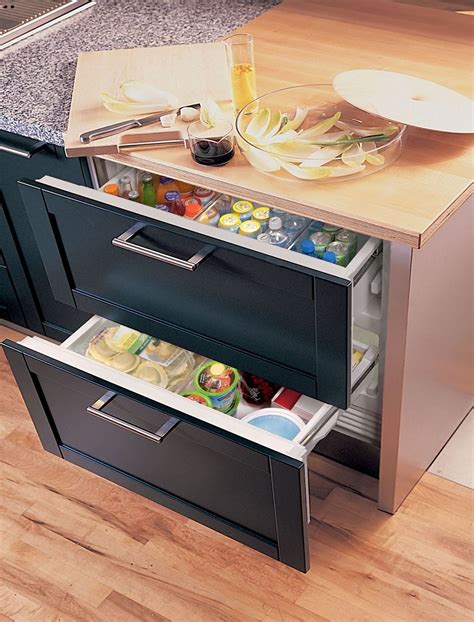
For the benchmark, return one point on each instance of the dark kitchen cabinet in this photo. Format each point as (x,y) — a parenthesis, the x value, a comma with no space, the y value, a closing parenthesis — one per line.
(25,292)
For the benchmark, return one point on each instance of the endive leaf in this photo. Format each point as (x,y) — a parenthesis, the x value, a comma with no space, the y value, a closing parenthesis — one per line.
(259,123)
(293,150)
(278,138)
(371,155)
(262,161)
(320,128)
(323,156)
(315,172)
(274,124)
(298,119)
(139,92)
(353,156)
(210,113)
(129,108)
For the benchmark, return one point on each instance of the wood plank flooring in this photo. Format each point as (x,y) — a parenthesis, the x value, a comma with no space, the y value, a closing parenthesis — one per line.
(75,547)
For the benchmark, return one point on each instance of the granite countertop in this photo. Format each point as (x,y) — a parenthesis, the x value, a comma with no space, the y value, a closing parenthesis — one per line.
(37,75)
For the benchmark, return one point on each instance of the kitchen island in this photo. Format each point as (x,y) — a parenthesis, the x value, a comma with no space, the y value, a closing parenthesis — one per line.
(418,207)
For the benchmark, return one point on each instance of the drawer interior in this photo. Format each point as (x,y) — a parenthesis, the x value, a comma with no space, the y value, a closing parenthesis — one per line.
(218,204)
(317,418)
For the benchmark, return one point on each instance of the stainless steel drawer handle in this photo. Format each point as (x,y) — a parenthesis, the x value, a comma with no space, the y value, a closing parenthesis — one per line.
(156,437)
(23,153)
(123,241)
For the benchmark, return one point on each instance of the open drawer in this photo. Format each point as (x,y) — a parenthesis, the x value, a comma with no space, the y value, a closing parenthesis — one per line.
(268,310)
(236,478)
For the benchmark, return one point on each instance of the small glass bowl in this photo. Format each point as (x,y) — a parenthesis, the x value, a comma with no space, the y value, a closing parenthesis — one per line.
(321,102)
(211,146)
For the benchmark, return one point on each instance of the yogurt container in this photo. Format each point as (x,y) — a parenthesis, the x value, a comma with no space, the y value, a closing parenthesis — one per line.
(219,383)
(277,421)
(243,209)
(200,398)
(231,222)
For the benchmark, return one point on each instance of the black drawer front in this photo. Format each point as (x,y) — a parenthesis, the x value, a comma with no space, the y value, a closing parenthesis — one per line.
(215,477)
(254,312)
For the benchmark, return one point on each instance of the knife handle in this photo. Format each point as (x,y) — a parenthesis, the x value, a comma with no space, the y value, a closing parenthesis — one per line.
(107,130)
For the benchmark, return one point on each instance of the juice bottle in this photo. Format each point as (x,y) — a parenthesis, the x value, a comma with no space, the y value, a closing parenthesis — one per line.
(148,190)
(166,184)
(186,190)
(173,202)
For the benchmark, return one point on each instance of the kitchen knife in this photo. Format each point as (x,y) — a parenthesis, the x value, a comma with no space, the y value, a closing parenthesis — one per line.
(117,128)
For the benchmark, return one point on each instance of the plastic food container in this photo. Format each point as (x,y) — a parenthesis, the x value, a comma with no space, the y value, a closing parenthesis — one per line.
(195,396)
(277,421)
(219,383)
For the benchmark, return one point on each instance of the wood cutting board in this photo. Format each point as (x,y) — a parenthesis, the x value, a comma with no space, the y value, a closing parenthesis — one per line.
(191,72)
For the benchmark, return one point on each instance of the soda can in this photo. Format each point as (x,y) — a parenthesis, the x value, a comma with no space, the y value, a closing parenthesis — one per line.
(349,238)
(341,252)
(320,240)
(331,230)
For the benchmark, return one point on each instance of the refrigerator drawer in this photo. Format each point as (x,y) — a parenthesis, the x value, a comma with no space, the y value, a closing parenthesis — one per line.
(236,478)
(268,310)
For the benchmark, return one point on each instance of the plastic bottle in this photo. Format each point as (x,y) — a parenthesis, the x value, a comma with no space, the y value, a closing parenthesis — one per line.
(329,256)
(166,185)
(307,247)
(277,236)
(293,224)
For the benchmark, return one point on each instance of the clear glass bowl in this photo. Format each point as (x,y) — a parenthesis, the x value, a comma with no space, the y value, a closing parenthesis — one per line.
(274,144)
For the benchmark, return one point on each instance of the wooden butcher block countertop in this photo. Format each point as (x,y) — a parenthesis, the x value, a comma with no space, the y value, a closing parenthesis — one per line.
(311,41)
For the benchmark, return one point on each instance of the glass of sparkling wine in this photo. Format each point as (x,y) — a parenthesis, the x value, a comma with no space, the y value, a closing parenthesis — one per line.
(239,50)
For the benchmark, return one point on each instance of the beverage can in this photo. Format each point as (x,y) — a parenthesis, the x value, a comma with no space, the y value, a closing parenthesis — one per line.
(341,252)
(331,230)
(250,228)
(217,382)
(231,222)
(349,238)
(320,240)
(243,209)
(262,215)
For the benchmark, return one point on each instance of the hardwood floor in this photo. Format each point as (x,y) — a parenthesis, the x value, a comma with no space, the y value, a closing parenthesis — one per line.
(75,547)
